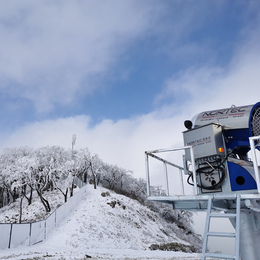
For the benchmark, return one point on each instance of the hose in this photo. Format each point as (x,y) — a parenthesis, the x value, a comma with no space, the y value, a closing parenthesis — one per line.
(208,169)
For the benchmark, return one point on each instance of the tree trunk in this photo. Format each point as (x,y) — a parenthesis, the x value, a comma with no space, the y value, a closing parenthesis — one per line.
(64,194)
(44,202)
(85,177)
(29,199)
(98,179)
(21,209)
(71,189)
(1,197)
(14,195)
(95,181)
(7,197)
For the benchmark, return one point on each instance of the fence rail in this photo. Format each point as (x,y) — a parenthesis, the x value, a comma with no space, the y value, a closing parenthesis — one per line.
(16,234)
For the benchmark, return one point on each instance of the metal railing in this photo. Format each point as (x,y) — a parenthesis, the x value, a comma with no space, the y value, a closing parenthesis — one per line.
(166,162)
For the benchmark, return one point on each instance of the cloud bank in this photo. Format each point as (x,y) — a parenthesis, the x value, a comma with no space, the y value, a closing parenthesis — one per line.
(54,51)
(59,50)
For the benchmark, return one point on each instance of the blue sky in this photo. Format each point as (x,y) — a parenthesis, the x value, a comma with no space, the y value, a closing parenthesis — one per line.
(122,75)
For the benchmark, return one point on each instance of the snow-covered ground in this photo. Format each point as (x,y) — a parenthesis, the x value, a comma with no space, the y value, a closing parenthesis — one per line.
(37,253)
(106,227)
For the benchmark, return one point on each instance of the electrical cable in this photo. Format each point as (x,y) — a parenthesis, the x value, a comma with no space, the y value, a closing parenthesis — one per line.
(210,168)
(220,167)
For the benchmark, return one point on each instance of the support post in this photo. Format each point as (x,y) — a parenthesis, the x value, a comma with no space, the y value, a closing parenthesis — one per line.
(166,180)
(249,235)
(147,175)
(237,246)
(10,237)
(181,180)
(252,145)
(193,170)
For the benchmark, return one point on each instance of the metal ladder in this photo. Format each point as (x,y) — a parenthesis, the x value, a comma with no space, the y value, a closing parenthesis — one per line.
(207,233)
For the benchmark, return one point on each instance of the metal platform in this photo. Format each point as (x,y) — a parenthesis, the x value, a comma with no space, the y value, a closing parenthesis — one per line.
(200,202)
(241,207)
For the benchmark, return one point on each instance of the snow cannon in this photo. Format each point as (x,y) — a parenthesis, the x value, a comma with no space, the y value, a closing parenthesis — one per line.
(220,140)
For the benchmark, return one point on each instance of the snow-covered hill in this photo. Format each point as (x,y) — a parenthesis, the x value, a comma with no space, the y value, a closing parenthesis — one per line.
(106,225)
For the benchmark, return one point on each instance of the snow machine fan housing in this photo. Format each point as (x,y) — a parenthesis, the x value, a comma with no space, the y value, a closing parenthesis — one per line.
(238,124)
(220,140)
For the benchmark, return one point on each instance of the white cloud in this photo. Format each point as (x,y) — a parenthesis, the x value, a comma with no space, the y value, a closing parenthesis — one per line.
(51,50)
(204,88)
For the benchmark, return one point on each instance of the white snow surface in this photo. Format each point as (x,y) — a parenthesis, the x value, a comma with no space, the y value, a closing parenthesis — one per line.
(95,229)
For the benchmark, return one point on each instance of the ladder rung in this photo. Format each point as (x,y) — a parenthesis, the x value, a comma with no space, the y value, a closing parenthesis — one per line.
(220,256)
(223,215)
(221,234)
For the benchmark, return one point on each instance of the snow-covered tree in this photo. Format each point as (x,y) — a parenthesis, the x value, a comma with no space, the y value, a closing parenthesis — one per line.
(25,171)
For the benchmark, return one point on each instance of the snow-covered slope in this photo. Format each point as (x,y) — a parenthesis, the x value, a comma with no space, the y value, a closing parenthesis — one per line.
(113,221)
(111,226)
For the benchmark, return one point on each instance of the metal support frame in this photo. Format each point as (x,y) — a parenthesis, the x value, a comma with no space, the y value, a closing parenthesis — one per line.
(193,169)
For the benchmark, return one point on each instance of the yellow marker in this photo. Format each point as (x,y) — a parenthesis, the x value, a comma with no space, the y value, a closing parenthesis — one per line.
(221,150)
